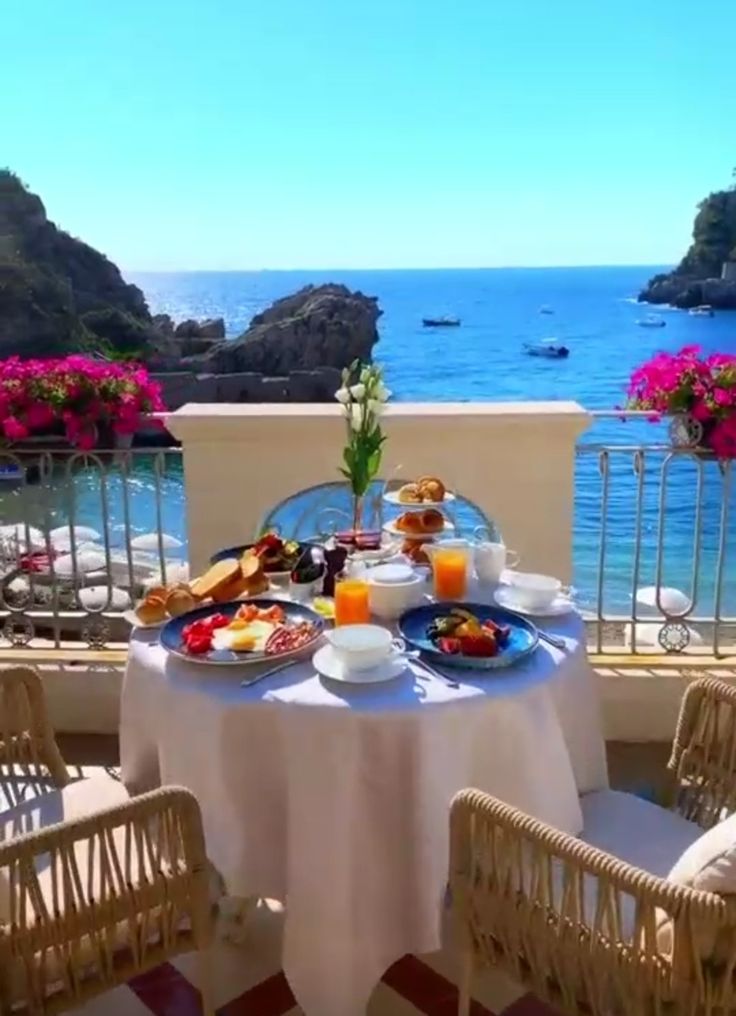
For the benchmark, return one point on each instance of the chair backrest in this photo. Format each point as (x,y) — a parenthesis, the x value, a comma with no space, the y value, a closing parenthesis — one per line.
(704,752)
(27,742)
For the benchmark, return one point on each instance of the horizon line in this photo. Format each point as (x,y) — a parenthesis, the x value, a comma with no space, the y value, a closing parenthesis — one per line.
(404,268)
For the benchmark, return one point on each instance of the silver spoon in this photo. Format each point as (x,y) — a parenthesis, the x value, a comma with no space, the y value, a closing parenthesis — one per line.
(553,640)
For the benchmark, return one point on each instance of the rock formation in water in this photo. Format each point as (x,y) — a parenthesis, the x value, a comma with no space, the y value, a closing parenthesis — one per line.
(59,295)
(697,279)
(319,326)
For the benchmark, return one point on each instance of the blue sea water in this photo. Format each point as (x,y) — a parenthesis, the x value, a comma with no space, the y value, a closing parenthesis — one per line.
(595,314)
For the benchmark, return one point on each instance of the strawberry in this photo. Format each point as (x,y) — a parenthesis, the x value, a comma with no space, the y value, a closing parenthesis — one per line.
(478,645)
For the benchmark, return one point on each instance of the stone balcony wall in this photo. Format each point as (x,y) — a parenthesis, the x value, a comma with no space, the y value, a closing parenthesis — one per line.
(182,387)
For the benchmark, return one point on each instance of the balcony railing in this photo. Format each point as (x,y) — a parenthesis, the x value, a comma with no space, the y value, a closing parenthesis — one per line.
(655,560)
(81,535)
(653,557)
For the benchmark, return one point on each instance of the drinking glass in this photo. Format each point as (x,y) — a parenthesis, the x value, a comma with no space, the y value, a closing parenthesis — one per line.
(351,602)
(450,566)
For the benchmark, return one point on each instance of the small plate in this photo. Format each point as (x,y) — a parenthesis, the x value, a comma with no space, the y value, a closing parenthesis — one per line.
(135,622)
(392,497)
(561,605)
(390,527)
(328,665)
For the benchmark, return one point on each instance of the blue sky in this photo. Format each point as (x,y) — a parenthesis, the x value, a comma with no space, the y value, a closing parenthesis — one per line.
(224,134)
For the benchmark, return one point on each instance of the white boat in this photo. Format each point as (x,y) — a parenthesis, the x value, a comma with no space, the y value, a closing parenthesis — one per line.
(549,348)
(705,310)
(651,321)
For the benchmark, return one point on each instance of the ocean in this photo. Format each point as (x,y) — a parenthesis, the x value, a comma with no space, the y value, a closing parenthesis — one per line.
(594,314)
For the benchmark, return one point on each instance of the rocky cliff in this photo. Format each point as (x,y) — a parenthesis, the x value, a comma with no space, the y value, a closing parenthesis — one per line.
(319,326)
(696,280)
(57,293)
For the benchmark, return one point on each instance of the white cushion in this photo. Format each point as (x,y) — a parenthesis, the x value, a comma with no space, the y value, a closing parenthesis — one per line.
(636,831)
(710,862)
(19,785)
(76,800)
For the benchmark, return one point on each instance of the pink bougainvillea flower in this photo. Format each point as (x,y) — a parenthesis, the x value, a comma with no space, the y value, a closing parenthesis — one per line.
(14,429)
(79,392)
(686,382)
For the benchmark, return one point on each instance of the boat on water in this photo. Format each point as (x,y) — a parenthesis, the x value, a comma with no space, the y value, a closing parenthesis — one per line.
(441,322)
(545,309)
(704,310)
(551,349)
(651,321)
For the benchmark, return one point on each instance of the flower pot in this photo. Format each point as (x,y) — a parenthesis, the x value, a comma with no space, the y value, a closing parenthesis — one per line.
(35,454)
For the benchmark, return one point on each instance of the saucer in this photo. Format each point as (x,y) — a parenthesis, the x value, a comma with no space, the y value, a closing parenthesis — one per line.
(504,597)
(327,664)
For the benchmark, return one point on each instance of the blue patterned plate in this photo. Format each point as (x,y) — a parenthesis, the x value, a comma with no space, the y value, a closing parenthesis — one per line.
(171,633)
(522,640)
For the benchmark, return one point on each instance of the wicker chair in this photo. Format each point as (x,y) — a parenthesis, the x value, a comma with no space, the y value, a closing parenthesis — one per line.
(95,887)
(30,760)
(579,921)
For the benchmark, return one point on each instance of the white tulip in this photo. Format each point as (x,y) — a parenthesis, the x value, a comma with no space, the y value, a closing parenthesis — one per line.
(356,419)
(343,396)
(382,392)
(375,407)
(358,392)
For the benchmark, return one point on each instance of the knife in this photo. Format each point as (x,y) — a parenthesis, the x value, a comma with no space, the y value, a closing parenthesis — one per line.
(267,673)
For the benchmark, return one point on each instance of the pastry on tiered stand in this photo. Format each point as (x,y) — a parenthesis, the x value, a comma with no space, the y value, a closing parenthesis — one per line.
(425,490)
(428,522)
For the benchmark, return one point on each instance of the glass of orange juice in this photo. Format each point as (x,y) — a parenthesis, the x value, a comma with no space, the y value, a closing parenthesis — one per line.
(450,566)
(351,601)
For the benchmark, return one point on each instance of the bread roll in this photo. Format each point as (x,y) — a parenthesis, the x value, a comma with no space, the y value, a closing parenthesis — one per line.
(179,601)
(152,610)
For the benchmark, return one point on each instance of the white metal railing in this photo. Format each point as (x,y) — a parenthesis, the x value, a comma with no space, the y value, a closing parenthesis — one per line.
(81,535)
(655,554)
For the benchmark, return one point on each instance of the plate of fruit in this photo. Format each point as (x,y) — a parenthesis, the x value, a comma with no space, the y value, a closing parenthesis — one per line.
(470,635)
(277,556)
(251,631)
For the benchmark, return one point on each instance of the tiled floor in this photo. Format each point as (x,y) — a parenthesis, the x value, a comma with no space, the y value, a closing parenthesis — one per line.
(247,976)
(249,982)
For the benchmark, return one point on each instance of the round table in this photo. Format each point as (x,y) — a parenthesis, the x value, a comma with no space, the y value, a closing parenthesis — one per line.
(334,798)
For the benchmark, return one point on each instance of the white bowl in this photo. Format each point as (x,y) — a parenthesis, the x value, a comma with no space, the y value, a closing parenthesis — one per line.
(360,646)
(533,591)
(392,589)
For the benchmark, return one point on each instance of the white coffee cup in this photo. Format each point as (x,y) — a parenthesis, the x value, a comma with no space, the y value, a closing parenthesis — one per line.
(492,559)
(362,646)
(533,592)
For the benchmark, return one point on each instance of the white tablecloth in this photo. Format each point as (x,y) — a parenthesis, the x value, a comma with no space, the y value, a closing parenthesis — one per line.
(335,798)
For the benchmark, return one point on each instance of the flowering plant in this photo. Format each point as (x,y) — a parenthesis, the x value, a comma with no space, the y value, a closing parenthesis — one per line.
(77,394)
(684,382)
(363,396)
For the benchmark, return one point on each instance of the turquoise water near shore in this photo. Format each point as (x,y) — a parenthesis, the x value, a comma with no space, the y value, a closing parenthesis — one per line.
(595,314)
